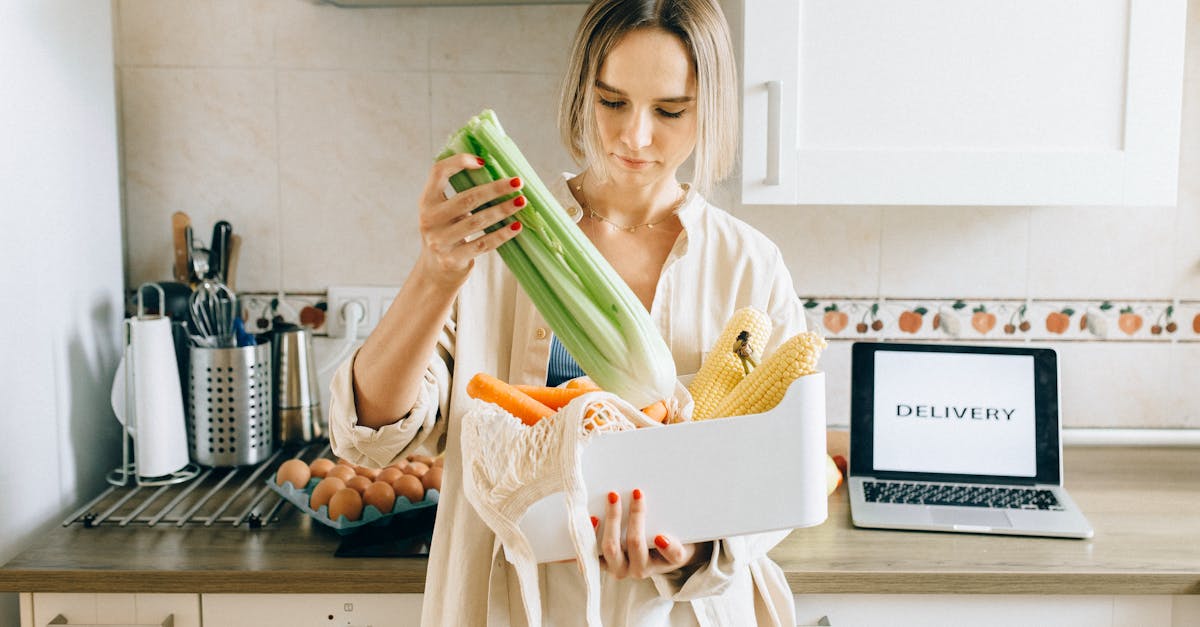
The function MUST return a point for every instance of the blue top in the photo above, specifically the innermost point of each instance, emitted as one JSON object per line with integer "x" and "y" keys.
{"x": 562, "y": 365}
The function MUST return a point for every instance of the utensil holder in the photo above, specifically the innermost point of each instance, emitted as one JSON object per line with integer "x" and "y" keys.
{"x": 230, "y": 405}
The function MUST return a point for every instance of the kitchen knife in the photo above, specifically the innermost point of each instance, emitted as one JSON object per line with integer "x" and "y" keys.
{"x": 218, "y": 253}
{"x": 183, "y": 265}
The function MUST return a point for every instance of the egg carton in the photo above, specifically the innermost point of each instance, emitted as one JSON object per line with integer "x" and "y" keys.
{"x": 371, "y": 514}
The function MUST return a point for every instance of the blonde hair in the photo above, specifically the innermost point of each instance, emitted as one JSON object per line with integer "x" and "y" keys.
{"x": 702, "y": 28}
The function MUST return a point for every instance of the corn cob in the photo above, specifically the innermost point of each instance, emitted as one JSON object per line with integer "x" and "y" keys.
{"x": 723, "y": 369}
{"x": 762, "y": 389}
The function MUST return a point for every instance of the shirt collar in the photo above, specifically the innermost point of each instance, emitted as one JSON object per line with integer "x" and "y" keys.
{"x": 689, "y": 212}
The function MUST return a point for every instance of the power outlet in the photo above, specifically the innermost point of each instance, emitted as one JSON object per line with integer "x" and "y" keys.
{"x": 374, "y": 301}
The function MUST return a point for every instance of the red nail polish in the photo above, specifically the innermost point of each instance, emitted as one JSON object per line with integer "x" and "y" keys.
{"x": 661, "y": 542}
{"x": 637, "y": 494}
{"x": 479, "y": 161}
{"x": 515, "y": 181}
{"x": 516, "y": 226}
{"x": 595, "y": 522}
{"x": 612, "y": 497}
{"x": 519, "y": 201}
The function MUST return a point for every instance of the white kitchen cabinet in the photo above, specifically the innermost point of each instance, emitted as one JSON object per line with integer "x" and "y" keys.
{"x": 315, "y": 610}
{"x": 999, "y": 610}
{"x": 971, "y": 102}
{"x": 42, "y": 608}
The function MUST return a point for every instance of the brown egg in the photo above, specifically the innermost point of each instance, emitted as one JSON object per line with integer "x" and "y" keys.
{"x": 359, "y": 483}
{"x": 417, "y": 468}
{"x": 424, "y": 459}
{"x": 389, "y": 474}
{"x": 400, "y": 465}
{"x": 320, "y": 466}
{"x": 380, "y": 495}
{"x": 345, "y": 473}
{"x": 344, "y": 462}
{"x": 295, "y": 472}
{"x": 433, "y": 479}
{"x": 410, "y": 488}
{"x": 345, "y": 502}
{"x": 324, "y": 491}
{"x": 439, "y": 462}
{"x": 370, "y": 473}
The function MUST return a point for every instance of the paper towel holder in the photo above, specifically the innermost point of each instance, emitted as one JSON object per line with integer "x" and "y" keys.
{"x": 121, "y": 475}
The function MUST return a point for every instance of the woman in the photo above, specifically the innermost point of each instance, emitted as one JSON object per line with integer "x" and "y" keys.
{"x": 651, "y": 83}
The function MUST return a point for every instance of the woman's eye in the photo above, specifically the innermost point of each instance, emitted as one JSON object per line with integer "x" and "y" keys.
{"x": 611, "y": 104}
{"x": 671, "y": 114}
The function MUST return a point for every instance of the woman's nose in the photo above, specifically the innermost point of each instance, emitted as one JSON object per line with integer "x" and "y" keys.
{"x": 637, "y": 131}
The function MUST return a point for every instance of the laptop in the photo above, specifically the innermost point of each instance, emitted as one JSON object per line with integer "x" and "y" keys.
{"x": 950, "y": 437}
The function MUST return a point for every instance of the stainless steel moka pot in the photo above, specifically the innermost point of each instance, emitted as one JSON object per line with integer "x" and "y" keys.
{"x": 297, "y": 401}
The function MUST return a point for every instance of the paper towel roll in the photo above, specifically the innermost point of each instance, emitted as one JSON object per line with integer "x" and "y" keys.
{"x": 148, "y": 375}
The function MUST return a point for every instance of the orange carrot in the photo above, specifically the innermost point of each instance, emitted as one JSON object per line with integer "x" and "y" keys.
{"x": 554, "y": 398}
{"x": 487, "y": 388}
{"x": 582, "y": 383}
{"x": 657, "y": 411}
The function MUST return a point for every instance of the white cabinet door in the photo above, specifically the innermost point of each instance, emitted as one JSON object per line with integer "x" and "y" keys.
{"x": 115, "y": 609}
{"x": 311, "y": 610}
{"x": 973, "y": 102}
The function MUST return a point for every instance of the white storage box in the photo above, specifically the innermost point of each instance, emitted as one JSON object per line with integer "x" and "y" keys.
{"x": 705, "y": 480}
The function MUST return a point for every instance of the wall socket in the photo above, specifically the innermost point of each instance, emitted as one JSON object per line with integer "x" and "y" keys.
{"x": 374, "y": 299}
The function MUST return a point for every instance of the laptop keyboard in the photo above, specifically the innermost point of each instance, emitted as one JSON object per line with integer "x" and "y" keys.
{"x": 959, "y": 494}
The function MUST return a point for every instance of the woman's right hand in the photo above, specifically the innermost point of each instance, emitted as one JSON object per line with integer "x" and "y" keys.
{"x": 445, "y": 223}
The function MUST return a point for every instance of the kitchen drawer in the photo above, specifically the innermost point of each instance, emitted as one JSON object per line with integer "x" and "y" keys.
{"x": 987, "y": 610}
{"x": 311, "y": 610}
{"x": 113, "y": 609}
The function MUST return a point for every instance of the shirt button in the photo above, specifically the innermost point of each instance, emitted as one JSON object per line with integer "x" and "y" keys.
{"x": 541, "y": 333}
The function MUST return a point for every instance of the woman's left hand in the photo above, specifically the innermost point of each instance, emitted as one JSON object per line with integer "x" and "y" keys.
{"x": 633, "y": 558}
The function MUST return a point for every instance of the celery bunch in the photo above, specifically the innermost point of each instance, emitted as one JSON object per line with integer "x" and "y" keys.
{"x": 588, "y": 306}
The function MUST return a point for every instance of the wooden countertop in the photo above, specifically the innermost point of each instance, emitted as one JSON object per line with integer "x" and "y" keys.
{"x": 1142, "y": 502}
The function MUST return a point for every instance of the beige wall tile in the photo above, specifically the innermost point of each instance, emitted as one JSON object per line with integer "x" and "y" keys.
{"x": 1187, "y": 248}
{"x": 204, "y": 142}
{"x": 324, "y": 36}
{"x": 830, "y": 251}
{"x": 525, "y": 103}
{"x": 197, "y": 33}
{"x": 954, "y": 252}
{"x": 354, "y": 155}
{"x": 1101, "y": 252}
{"x": 1113, "y": 384}
{"x": 522, "y": 39}
{"x": 1183, "y": 404}
{"x": 1191, "y": 65}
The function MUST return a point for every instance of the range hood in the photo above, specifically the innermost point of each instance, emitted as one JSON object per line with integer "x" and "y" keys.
{"x": 356, "y": 4}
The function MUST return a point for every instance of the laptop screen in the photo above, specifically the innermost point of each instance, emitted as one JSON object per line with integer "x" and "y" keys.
{"x": 954, "y": 412}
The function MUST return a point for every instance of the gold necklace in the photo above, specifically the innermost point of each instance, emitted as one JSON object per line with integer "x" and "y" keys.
{"x": 648, "y": 225}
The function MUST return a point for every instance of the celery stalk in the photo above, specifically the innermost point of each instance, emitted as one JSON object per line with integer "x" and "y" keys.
{"x": 588, "y": 306}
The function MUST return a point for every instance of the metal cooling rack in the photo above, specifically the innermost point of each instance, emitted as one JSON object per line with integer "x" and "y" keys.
{"x": 235, "y": 496}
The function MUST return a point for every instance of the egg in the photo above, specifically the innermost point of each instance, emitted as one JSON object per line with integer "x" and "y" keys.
{"x": 324, "y": 491}
{"x": 400, "y": 465}
{"x": 417, "y": 468}
{"x": 295, "y": 472}
{"x": 389, "y": 474}
{"x": 433, "y": 479}
{"x": 344, "y": 462}
{"x": 381, "y": 496}
{"x": 410, "y": 488}
{"x": 370, "y": 473}
{"x": 424, "y": 459}
{"x": 320, "y": 466}
{"x": 439, "y": 462}
{"x": 359, "y": 483}
{"x": 345, "y": 473}
{"x": 345, "y": 502}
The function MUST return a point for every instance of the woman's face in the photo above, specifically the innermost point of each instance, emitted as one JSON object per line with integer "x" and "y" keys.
{"x": 646, "y": 107}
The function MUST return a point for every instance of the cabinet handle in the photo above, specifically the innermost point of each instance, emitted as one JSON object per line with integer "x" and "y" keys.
{"x": 169, "y": 621}
{"x": 774, "y": 130}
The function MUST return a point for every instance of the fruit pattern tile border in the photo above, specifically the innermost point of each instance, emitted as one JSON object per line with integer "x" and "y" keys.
{"x": 1013, "y": 320}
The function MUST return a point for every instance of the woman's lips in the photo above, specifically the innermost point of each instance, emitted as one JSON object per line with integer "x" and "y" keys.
{"x": 633, "y": 164}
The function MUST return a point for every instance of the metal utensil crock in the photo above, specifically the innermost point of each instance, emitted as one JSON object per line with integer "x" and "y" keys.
{"x": 298, "y": 416}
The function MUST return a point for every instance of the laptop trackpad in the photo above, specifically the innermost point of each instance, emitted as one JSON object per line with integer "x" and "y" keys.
{"x": 973, "y": 516}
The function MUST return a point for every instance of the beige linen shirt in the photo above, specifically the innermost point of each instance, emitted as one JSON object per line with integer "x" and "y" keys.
{"x": 717, "y": 265}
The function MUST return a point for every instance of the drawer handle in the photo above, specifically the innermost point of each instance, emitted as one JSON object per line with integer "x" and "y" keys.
{"x": 774, "y": 130}
{"x": 169, "y": 621}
